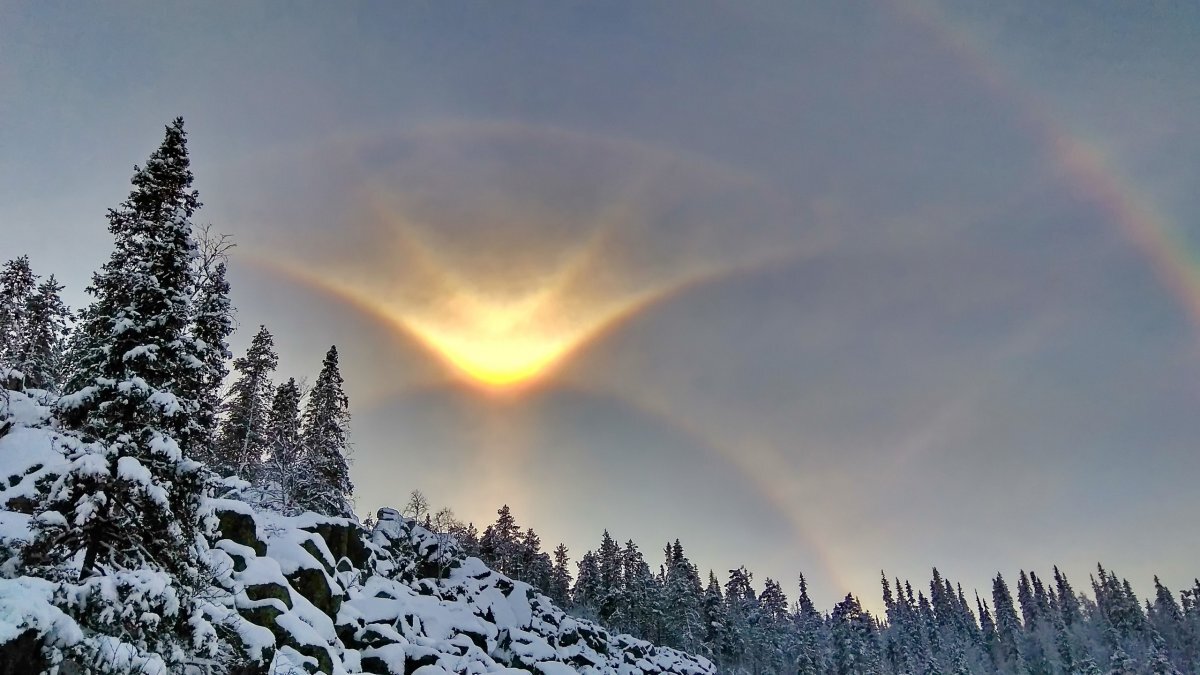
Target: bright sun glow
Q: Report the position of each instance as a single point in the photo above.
(505, 344)
(498, 359)
(504, 252)
(497, 340)
(503, 277)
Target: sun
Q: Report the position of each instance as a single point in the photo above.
(494, 359)
(495, 345)
(503, 252)
(495, 337)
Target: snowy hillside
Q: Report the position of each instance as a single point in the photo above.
(310, 593)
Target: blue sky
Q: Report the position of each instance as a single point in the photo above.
(891, 328)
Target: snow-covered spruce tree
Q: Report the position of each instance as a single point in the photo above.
(282, 472)
(499, 545)
(772, 639)
(742, 612)
(39, 356)
(807, 620)
(17, 283)
(715, 619)
(1008, 627)
(535, 565)
(560, 577)
(326, 423)
(467, 537)
(682, 594)
(241, 443)
(585, 594)
(637, 609)
(853, 639)
(126, 517)
(608, 562)
(212, 323)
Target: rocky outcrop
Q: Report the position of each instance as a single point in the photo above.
(400, 600)
(22, 654)
(324, 595)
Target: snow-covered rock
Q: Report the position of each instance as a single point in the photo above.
(309, 594)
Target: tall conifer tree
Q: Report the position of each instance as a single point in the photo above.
(39, 356)
(17, 285)
(282, 473)
(241, 442)
(129, 503)
(326, 424)
(560, 577)
(1008, 627)
(499, 545)
(608, 562)
(715, 617)
(585, 594)
(682, 594)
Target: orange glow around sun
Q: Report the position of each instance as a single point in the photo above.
(501, 346)
(503, 251)
(493, 333)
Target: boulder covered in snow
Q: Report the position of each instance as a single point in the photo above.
(311, 594)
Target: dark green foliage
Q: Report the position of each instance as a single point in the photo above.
(852, 632)
(585, 595)
(40, 356)
(242, 443)
(560, 578)
(17, 283)
(127, 512)
(124, 393)
(281, 477)
(33, 328)
(325, 426)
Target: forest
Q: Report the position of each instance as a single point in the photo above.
(1048, 627)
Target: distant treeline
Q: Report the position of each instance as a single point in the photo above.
(1048, 628)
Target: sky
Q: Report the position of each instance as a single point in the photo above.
(821, 288)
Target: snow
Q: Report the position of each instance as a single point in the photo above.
(90, 464)
(24, 448)
(23, 410)
(14, 527)
(166, 447)
(25, 603)
(288, 661)
(166, 402)
(233, 506)
(132, 384)
(130, 469)
(288, 549)
(258, 571)
(149, 352)
(390, 654)
(302, 631)
(117, 656)
(472, 621)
